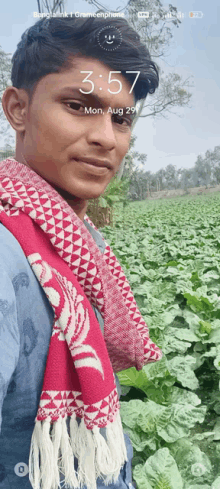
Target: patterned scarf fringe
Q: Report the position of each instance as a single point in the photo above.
(52, 453)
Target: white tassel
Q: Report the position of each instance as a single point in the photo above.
(103, 461)
(117, 447)
(34, 464)
(96, 456)
(86, 457)
(107, 459)
(41, 444)
(46, 453)
(74, 433)
(116, 441)
(56, 438)
(67, 458)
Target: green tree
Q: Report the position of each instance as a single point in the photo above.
(160, 178)
(171, 177)
(133, 159)
(140, 184)
(213, 157)
(203, 169)
(117, 191)
(186, 175)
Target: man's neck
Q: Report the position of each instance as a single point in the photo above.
(79, 206)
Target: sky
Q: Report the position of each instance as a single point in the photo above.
(194, 51)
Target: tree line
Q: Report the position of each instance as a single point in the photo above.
(205, 172)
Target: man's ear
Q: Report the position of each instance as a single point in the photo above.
(15, 106)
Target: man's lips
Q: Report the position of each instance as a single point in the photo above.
(96, 162)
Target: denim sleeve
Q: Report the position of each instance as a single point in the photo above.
(9, 334)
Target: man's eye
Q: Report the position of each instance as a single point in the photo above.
(76, 106)
(121, 119)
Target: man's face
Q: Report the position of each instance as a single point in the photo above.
(59, 134)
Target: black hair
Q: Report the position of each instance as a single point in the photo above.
(50, 45)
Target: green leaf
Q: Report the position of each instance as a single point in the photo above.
(170, 423)
(172, 264)
(185, 334)
(205, 327)
(160, 471)
(214, 336)
(177, 421)
(154, 375)
(192, 319)
(217, 362)
(182, 396)
(114, 198)
(129, 414)
(130, 411)
(140, 440)
(198, 303)
(181, 367)
(215, 484)
(202, 436)
(103, 202)
(132, 377)
(192, 462)
(172, 344)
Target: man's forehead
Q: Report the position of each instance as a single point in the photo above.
(79, 64)
(71, 79)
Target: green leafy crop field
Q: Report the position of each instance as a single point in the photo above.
(170, 252)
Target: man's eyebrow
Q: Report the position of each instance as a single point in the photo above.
(95, 98)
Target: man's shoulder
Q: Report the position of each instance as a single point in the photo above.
(12, 255)
(8, 239)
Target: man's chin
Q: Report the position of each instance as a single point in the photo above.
(82, 196)
(63, 192)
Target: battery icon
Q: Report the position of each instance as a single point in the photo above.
(196, 15)
(143, 15)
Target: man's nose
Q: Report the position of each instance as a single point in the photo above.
(102, 131)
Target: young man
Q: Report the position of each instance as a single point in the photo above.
(59, 281)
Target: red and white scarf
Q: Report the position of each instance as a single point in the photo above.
(78, 379)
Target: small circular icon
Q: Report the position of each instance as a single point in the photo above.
(100, 76)
(100, 88)
(21, 469)
(109, 38)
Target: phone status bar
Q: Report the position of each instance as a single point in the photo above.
(193, 14)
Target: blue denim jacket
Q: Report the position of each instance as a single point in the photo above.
(26, 319)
